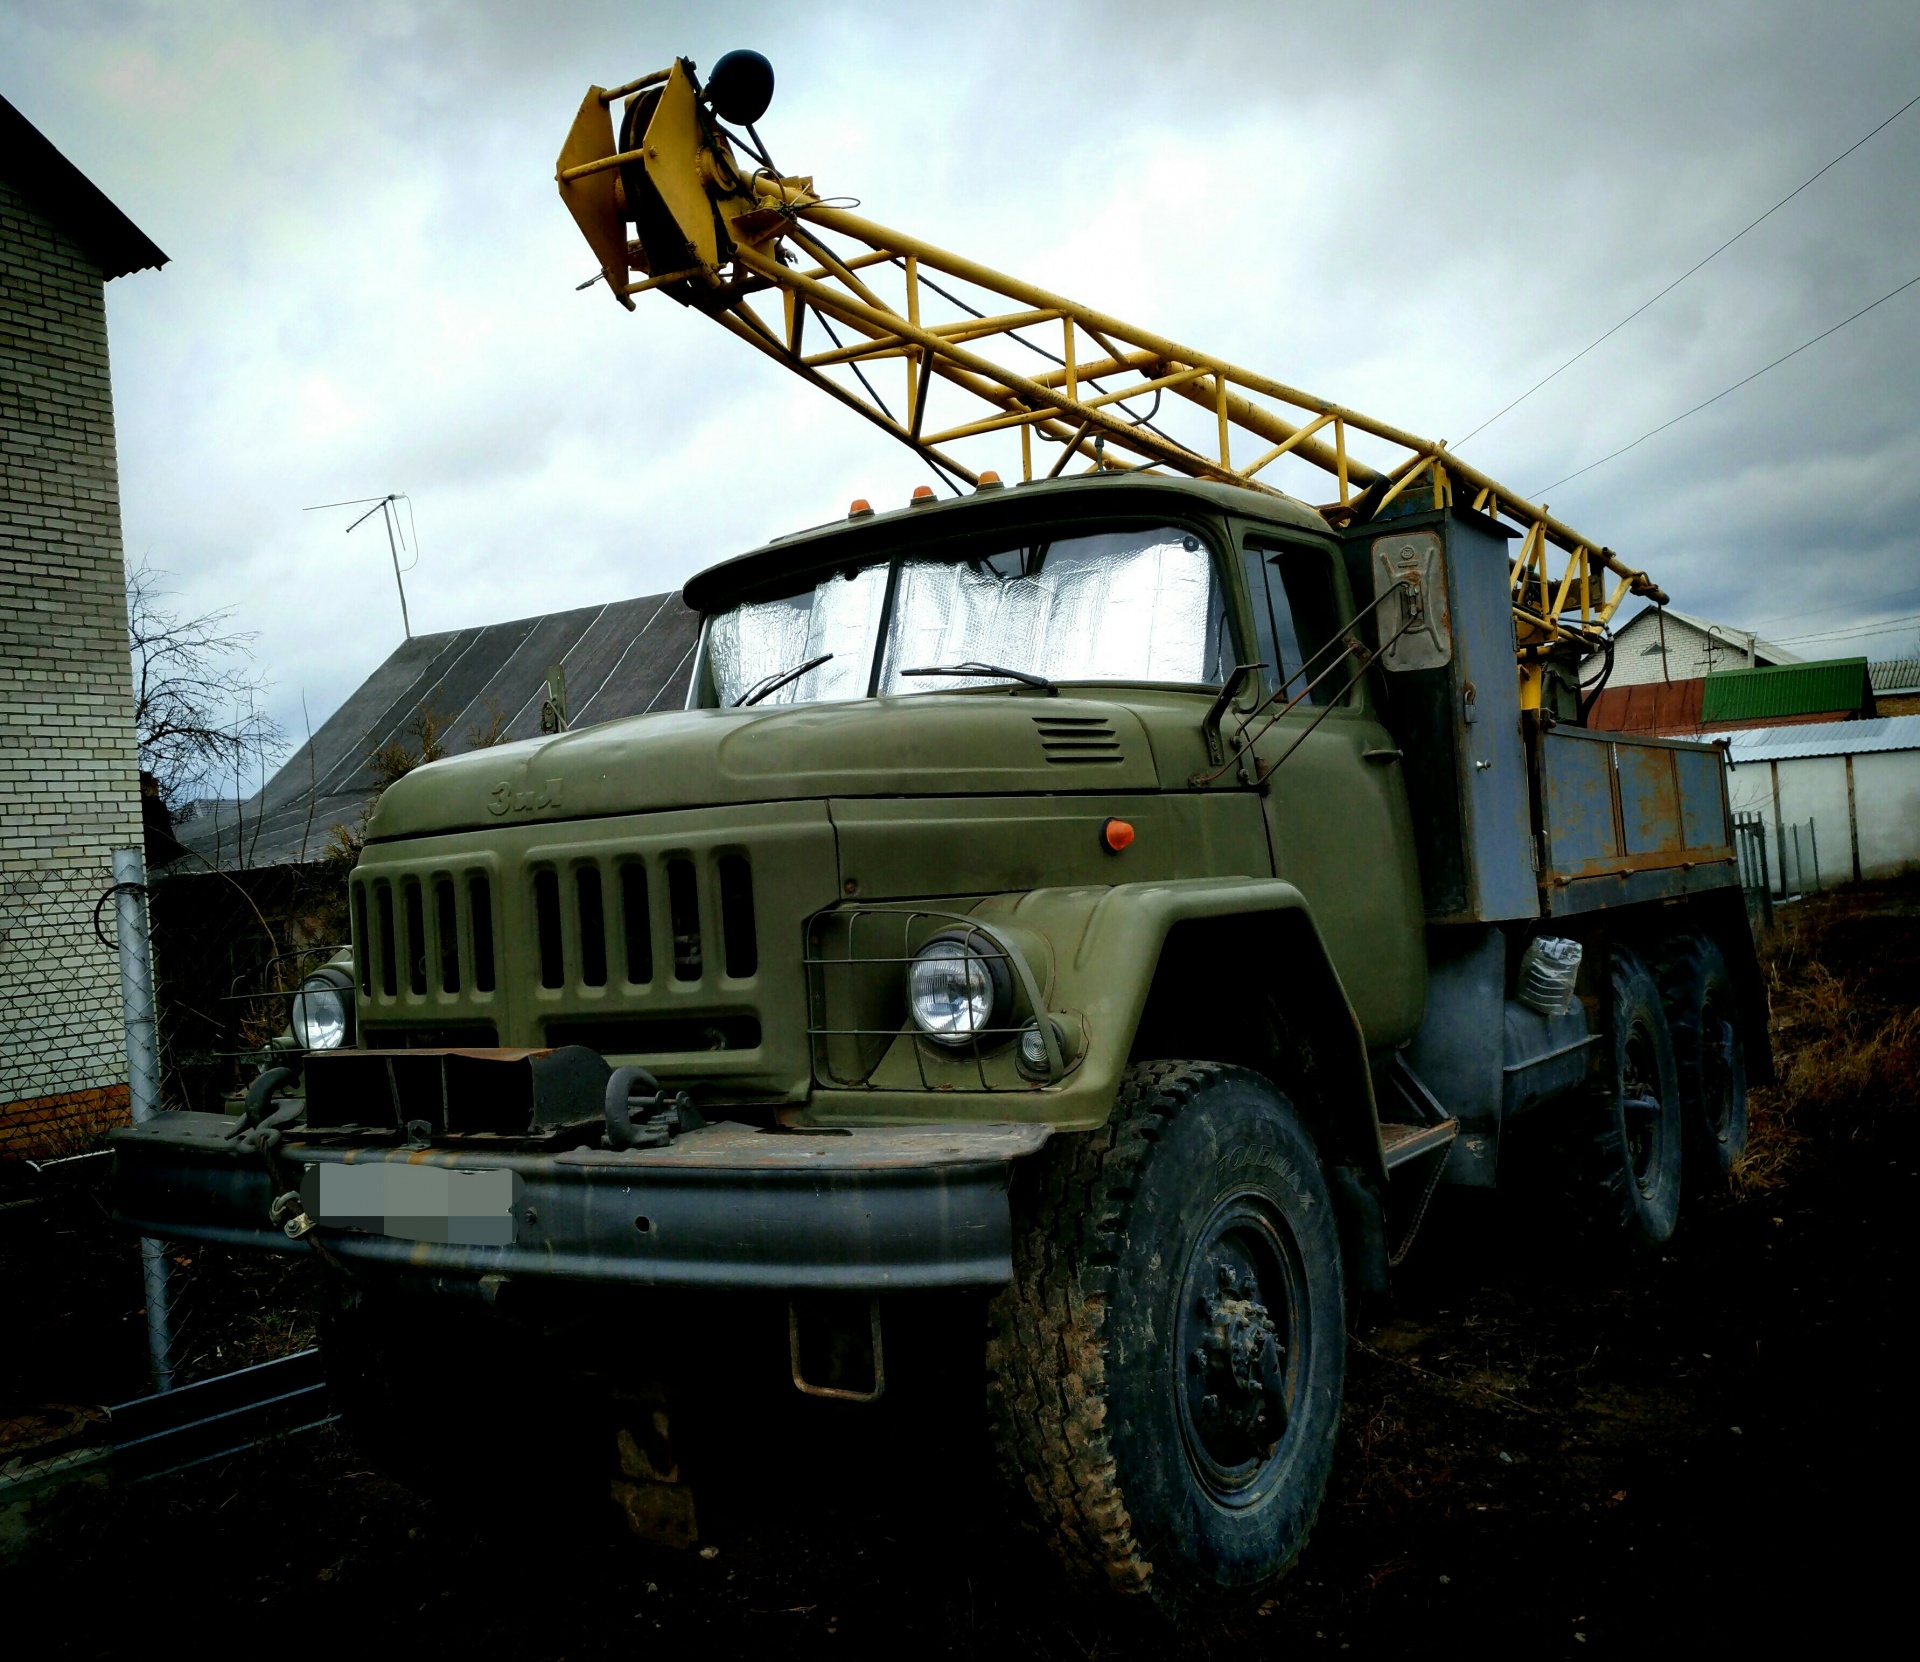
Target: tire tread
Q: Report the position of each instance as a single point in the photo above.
(1046, 1352)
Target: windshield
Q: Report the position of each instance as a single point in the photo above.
(1138, 605)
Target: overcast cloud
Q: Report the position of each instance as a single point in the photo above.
(1416, 210)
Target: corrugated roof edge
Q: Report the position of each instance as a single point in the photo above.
(1895, 675)
(1826, 738)
(1786, 690)
(31, 163)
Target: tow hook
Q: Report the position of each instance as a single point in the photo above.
(290, 1213)
(260, 1126)
(659, 1117)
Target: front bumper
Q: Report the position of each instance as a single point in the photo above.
(726, 1206)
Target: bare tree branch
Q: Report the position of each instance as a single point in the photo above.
(196, 691)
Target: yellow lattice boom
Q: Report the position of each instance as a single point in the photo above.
(980, 361)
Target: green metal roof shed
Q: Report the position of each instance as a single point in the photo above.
(1832, 687)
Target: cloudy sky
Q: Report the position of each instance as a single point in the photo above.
(1417, 210)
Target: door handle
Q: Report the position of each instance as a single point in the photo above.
(1381, 755)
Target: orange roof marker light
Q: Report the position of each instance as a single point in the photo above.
(1116, 834)
(988, 481)
(860, 507)
(922, 494)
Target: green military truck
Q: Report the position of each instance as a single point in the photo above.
(1125, 898)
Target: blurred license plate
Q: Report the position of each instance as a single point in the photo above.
(415, 1203)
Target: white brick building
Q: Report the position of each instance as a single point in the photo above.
(69, 775)
(1664, 645)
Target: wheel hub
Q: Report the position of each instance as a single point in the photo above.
(1239, 1347)
(1239, 1367)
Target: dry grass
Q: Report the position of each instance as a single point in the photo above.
(1846, 1041)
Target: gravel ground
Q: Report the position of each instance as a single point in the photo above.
(1541, 1457)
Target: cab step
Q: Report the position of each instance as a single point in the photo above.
(1401, 1143)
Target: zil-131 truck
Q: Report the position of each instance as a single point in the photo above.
(1100, 908)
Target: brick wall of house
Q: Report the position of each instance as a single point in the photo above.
(69, 775)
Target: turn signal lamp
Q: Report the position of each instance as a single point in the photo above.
(860, 506)
(1116, 834)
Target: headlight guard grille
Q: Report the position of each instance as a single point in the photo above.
(857, 958)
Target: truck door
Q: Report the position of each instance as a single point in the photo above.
(1336, 800)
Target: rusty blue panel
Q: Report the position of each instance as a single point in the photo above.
(1498, 825)
(1649, 797)
(1577, 778)
(1703, 815)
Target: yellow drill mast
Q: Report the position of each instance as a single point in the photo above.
(716, 227)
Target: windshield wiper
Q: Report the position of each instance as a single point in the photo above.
(773, 683)
(990, 671)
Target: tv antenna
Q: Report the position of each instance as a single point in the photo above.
(387, 508)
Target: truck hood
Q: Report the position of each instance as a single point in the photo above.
(918, 744)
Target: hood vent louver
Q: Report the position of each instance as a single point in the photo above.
(1078, 740)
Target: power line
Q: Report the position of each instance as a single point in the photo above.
(1884, 626)
(1837, 160)
(1737, 385)
(1837, 606)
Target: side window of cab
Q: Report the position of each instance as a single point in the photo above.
(1297, 621)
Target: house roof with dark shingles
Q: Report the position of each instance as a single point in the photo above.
(621, 659)
(30, 163)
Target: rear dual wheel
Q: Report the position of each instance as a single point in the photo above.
(1703, 1014)
(1637, 1145)
(1165, 1371)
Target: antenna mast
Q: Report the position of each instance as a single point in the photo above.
(384, 507)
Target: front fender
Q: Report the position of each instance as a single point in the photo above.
(1097, 953)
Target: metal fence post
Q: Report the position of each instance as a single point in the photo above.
(143, 1080)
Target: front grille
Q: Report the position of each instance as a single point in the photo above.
(638, 950)
(407, 939)
(636, 919)
(593, 926)
(738, 942)
(446, 915)
(389, 948)
(547, 927)
(1078, 740)
(480, 905)
(683, 911)
(707, 905)
(416, 937)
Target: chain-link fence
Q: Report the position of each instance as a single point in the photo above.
(120, 998)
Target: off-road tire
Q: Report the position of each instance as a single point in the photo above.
(1089, 1400)
(1703, 1016)
(1634, 1181)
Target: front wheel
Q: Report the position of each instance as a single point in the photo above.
(1165, 1371)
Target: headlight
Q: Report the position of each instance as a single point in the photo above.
(958, 988)
(322, 1012)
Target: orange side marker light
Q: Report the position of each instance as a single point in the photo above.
(1116, 834)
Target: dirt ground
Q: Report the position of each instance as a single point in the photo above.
(1541, 1457)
